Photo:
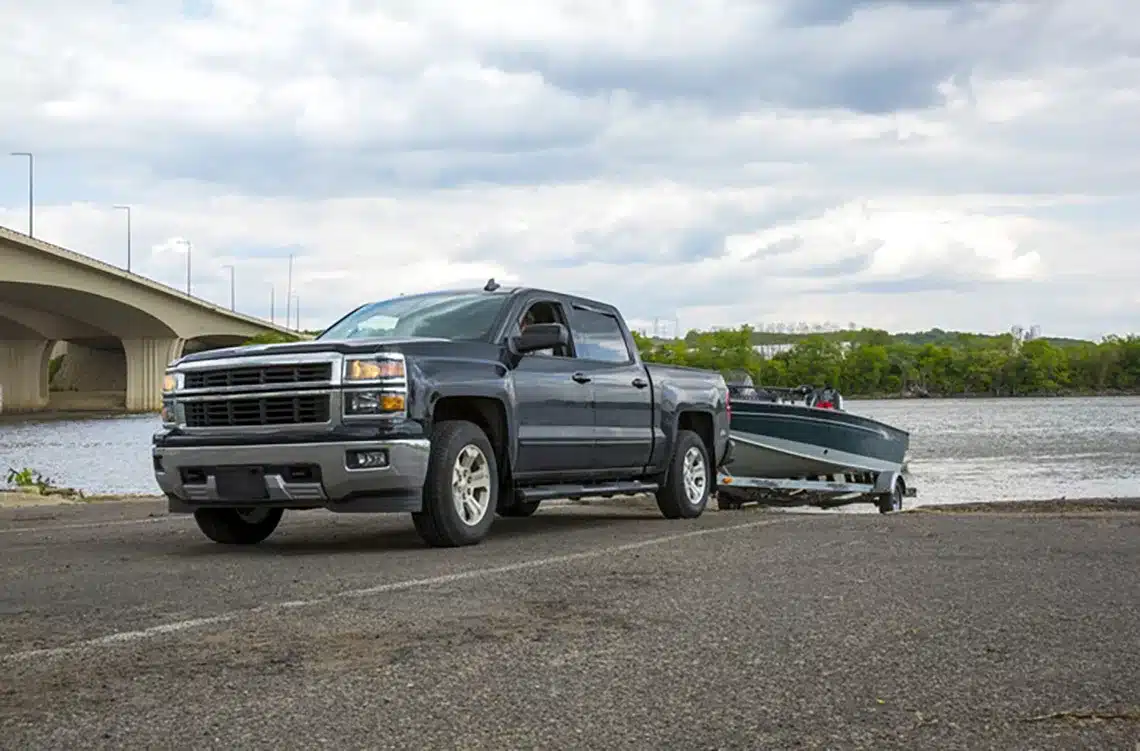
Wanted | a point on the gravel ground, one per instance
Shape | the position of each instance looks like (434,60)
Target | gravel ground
(583,627)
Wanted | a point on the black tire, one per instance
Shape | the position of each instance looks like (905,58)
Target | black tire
(729,500)
(892,501)
(522,508)
(673,498)
(440,523)
(237,526)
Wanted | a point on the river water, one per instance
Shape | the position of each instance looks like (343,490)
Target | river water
(961,450)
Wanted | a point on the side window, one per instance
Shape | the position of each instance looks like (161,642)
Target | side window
(544,312)
(598,336)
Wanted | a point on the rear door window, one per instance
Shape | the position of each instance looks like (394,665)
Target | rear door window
(598,336)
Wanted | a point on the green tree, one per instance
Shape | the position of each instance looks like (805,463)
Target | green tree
(936,362)
(272,337)
(865,369)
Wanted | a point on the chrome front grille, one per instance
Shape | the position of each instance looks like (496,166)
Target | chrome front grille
(253,411)
(260,392)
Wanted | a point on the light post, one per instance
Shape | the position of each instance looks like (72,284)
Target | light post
(272,304)
(189,249)
(128,210)
(31,190)
(231,268)
(289,294)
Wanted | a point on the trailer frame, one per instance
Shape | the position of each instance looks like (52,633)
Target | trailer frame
(885,490)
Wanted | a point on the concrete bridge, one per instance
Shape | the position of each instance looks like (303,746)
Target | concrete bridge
(117,331)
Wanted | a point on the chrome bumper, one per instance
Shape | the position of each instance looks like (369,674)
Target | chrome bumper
(395,487)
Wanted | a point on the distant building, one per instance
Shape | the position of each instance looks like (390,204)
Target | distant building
(770,350)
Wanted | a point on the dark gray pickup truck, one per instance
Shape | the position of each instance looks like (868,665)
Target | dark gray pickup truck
(453,406)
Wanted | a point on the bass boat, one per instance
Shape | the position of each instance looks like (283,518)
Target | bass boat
(806,431)
(802,439)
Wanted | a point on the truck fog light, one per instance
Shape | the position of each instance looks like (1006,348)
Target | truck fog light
(367,459)
(373,402)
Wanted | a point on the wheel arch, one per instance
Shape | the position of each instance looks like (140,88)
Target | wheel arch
(489,413)
(700,422)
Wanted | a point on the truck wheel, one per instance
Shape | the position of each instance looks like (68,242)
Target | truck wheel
(520,509)
(238,526)
(461,485)
(688,479)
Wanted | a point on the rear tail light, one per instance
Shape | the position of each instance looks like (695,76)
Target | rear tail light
(728,404)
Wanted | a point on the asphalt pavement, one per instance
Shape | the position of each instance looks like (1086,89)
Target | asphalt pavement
(583,627)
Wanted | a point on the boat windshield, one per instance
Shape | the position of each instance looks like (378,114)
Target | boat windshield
(447,315)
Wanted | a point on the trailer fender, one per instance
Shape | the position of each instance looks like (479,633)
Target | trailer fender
(885,482)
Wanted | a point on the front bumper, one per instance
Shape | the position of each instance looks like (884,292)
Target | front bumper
(297,475)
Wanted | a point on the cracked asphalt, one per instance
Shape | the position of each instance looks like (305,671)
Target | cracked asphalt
(583,627)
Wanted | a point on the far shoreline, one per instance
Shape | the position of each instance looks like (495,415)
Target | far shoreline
(970,396)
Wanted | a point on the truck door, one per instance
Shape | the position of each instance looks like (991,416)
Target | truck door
(623,397)
(554,408)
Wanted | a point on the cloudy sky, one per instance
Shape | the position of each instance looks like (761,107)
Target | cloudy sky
(969,165)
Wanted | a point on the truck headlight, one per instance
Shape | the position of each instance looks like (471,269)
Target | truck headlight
(171,382)
(373,369)
(374,402)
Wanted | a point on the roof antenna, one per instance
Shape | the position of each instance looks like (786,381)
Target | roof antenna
(491,285)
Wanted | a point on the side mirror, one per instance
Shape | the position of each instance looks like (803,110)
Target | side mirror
(540,336)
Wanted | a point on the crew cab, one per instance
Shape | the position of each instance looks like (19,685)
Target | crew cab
(452,406)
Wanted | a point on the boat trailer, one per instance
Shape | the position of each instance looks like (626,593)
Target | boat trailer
(885,489)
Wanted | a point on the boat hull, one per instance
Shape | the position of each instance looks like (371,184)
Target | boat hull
(780,439)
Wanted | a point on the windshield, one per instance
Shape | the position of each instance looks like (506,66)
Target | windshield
(447,315)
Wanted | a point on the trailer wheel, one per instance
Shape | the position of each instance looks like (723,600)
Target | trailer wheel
(688,481)
(892,501)
(729,499)
(461,486)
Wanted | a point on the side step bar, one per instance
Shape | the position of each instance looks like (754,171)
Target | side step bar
(549,492)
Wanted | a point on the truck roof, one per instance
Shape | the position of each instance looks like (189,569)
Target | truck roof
(588,302)
(514,291)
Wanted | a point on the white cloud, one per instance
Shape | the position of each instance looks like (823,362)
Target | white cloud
(909,165)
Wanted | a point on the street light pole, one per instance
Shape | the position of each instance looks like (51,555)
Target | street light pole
(272,304)
(128,210)
(289,293)
(189,249)
(31,190)
(231,268)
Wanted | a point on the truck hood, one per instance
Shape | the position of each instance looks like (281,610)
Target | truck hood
(344,346)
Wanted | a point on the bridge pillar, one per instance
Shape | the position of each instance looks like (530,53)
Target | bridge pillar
(146,364)
(24,374)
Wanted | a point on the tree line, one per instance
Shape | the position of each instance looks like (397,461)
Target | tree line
(871,362)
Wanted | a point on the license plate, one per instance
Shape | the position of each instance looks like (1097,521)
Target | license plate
(241,484)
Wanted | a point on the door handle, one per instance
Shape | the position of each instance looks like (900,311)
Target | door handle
(640,382)
(581,377)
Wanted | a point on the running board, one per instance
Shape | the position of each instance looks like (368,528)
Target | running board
(549,492)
